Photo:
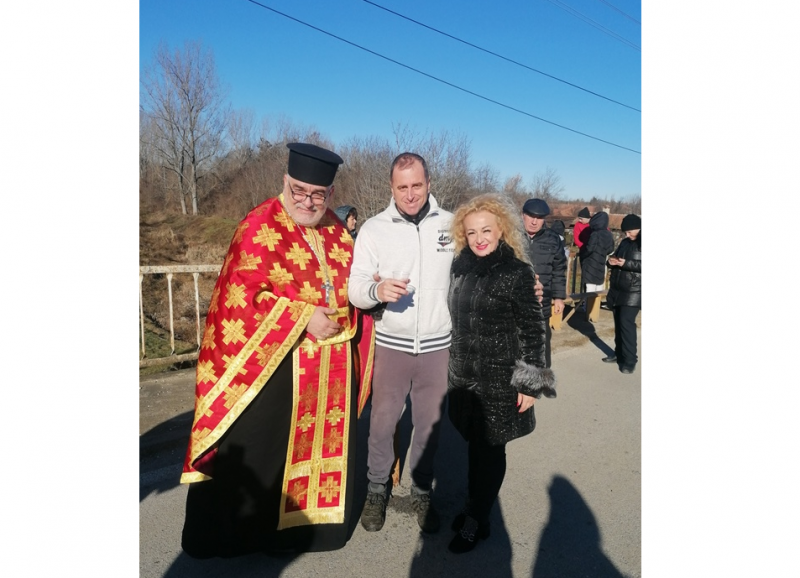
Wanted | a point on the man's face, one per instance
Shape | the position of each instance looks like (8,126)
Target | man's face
(583,220)
(410,188)
(533,223)
(304,209)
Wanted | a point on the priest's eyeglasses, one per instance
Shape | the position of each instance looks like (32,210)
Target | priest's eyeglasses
(316,197)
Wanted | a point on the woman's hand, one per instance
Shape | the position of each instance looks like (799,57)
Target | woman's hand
(524,402)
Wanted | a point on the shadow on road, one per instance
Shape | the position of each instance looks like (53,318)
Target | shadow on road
(579,321)
(161,453)
(570,544)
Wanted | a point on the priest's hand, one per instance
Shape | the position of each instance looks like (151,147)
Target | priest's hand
(320,325)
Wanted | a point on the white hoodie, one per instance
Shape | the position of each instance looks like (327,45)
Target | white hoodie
(418,322)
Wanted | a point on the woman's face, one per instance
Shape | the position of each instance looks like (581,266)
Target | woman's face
(483,232)
(632,234)
(351,222)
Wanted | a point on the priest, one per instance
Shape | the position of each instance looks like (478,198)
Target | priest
(283,373)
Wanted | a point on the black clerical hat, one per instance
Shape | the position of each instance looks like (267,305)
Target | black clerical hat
(312,164)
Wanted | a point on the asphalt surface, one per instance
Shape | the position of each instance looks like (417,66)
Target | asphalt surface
(570,505)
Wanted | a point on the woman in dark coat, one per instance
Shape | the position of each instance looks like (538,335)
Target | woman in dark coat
(497,362)
(594,251)
(625,293)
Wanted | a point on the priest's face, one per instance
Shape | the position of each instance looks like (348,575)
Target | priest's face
(305,203)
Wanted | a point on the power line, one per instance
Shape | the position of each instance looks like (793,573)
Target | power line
(593,23)
(439,79)
(500,56)
(621,12)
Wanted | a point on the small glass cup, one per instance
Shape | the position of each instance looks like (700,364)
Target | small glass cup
(402,276)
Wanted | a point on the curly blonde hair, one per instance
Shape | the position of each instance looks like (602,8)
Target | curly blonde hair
(508,219)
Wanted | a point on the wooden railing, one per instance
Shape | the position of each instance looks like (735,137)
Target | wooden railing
(592,299)
(170,271)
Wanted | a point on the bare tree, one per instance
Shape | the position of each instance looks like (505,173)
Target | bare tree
(448,158)
(363,181)
(547,185)
(185,101)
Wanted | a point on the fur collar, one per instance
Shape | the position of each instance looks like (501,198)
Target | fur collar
(468,262)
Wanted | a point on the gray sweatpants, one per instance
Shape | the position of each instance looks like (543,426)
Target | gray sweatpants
(396,374)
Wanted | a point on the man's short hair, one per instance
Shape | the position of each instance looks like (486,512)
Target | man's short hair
(402,160)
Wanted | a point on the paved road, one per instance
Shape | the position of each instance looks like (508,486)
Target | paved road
(570,505)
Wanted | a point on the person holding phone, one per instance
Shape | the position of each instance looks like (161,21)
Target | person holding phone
(625,293)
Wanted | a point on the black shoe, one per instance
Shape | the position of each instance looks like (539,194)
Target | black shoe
(458,523)
(627,369)
(610,359)
(427,516)
(467,537)
(374,513)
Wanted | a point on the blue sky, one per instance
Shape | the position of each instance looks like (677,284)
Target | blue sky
(275,66)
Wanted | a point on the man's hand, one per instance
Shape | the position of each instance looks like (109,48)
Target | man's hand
(558,306)
(320,325)
(538,288)
(391,290)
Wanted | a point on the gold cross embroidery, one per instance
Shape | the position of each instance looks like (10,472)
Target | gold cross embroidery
(233,331)
(279,276)
(298,256)
(267,237)
(208,338)
(285,220)
(205,372)
(339,254)
(333,440)
(330,489)
(296,494)
(306,421)
(236,294)
(334,416)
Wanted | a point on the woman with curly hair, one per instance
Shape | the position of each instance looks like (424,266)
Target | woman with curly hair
(497,356)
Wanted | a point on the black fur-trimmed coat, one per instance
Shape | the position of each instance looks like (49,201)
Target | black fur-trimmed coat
(497,348)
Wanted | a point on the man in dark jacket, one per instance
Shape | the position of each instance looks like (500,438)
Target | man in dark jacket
(546,253)
(593,253)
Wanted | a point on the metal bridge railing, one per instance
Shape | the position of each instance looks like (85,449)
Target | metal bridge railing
(171,270)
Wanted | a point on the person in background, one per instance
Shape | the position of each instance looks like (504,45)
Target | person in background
(545,250)
(282,374)
(558,228)
(497,358)
(579,237)
(349,216)
(625,293)
(593,253)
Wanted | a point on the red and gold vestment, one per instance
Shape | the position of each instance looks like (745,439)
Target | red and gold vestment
(270,284)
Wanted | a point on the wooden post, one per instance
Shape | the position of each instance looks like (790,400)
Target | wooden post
(593,306)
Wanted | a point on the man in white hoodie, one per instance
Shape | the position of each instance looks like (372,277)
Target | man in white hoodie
(408,248)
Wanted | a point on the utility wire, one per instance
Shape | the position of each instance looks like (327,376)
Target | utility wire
(440,80)
(621,12)
(500,56)
(593,23)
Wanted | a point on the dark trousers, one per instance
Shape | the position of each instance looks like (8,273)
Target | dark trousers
(625,335)
(486,471)
(547,336)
